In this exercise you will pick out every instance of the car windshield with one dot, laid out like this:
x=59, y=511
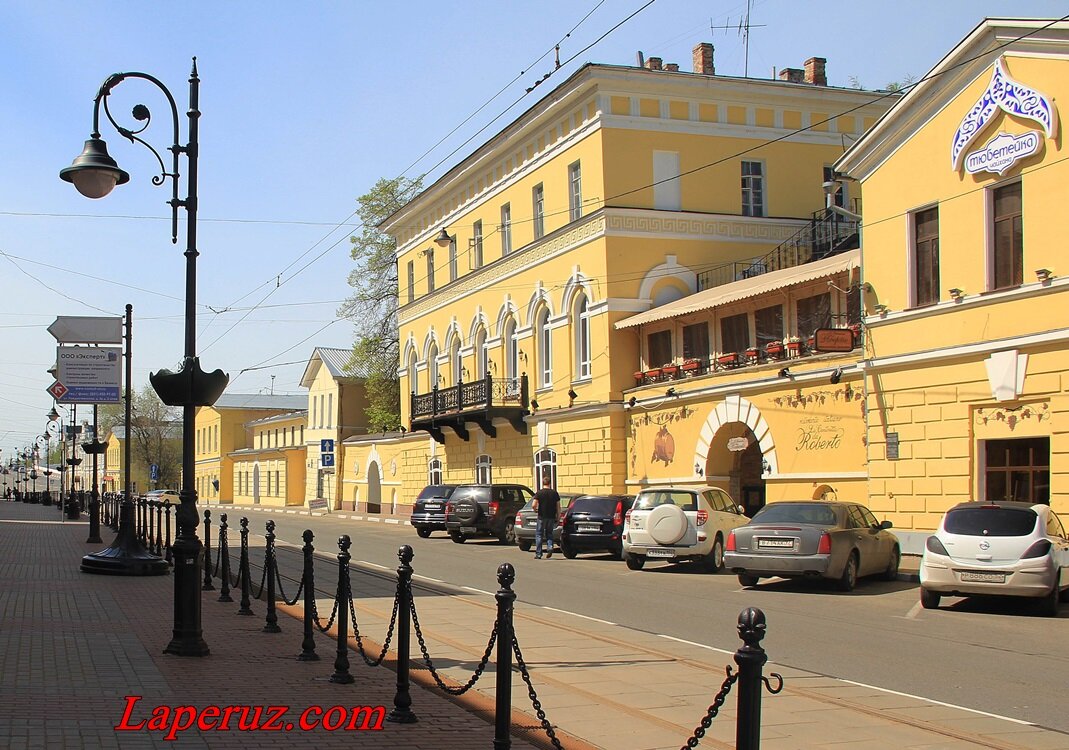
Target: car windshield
x=991, y=520
x=601, y=506
x=814, y=513
x=436, y=490
x=649, y=500
x=565, y=501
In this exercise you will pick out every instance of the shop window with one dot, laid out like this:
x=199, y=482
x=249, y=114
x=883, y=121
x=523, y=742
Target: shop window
x=1008, y=237
x=768, y=324
x=926, y=257
x=813, y=313
x=734, y=333
x=1017, y=469
x=696, y=341
x=484, y=469
x=434, y=471
x=659, y=348
x=545, y=466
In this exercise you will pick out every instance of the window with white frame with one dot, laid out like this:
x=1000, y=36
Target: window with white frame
x=430, y=268
x=753, y=188
x=512, y=350
x=545, y=348
x=581, y=327
x=545, y=465
x=477, y=244
x=481, y=353
x=506, y=229
x=575, y=192
x=456, y=362
x=484, y=469
x=330, y=410
x=434, y=471
x=538, y=199
x=453, y=271
x=413, y=376
x=411, y=280
x=432, y=366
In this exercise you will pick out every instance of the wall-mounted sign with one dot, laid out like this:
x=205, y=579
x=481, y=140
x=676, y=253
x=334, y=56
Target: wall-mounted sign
x=91, y=375
x=737, y=444
x=1014, y=98
x=1002, y=152
x=833, y=340
x=892, y=446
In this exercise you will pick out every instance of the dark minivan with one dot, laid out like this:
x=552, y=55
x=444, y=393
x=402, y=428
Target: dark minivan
x=428, y=512
x=594, y=522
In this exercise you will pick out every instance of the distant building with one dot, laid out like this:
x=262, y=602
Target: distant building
x=270, y=469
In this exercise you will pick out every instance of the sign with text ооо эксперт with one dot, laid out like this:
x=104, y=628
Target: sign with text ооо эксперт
x=91, y=375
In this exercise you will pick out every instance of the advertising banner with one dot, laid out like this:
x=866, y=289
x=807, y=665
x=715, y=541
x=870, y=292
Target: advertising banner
x=90, y=375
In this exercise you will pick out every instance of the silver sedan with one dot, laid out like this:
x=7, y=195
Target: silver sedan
x=841, y=541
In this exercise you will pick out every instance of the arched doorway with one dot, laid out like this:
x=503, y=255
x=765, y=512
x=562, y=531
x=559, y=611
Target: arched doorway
x=374, y=488
x=735, y=462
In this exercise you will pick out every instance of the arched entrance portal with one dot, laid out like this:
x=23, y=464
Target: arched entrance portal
x=374, y=488
x=735, y=462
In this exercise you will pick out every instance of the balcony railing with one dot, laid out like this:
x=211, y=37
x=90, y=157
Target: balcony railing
x=826, y=234
x=486, y=393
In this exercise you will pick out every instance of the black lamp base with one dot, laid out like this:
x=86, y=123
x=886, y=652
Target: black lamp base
x=126, y=556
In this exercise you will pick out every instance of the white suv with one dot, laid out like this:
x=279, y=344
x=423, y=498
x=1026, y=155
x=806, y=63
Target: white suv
x=680, y=523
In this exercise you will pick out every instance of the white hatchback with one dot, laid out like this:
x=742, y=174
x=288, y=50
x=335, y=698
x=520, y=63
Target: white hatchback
x=680, y=523
x=997, y=549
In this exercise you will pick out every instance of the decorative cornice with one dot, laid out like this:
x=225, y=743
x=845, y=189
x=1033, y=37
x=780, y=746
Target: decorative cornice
x=704, y=227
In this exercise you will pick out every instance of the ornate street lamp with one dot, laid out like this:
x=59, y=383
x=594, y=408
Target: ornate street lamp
x=94, y=173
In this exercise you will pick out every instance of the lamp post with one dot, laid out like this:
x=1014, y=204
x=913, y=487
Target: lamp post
x=94, y=173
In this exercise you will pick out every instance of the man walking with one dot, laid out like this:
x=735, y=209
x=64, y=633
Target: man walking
x=547, y=505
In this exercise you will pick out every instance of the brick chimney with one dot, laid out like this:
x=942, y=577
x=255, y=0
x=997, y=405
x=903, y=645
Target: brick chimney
x=671, y=67
x=792, y=75
x=703, y=59
x=653, y=63
x=814, y=71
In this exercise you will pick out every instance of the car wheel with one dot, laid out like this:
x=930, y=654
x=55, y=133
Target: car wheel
x=848, y=579
x=524, y=545
x=567, y=550
x=634, y=562
x=1048, y=605
x=929, y=599
x=423, y=532
x=508, y=534
x=714, y=561
x=891, y=574
x=457, y=537
x=747, y=580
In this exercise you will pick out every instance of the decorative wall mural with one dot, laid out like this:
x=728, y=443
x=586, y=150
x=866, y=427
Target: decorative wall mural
x=664, y=442
x=817, y=398
x=664, y=446
x=1013, y=417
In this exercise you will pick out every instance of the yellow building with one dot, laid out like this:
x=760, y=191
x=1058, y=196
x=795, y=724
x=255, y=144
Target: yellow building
x=624, y=190
x=966, y=302
x=112, y=468
x=337, y=409
x=220, y=431
x=270, y=471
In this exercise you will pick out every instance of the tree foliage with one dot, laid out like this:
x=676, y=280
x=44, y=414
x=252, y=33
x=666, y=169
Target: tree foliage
x=372, y=307
x=157, y=436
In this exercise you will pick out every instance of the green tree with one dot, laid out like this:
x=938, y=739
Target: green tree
x=157, y=436
x=373, y=305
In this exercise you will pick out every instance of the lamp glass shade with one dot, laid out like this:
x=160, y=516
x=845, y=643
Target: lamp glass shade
x=93, y=172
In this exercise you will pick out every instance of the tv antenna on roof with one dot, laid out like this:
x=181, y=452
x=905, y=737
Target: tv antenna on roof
x=743, y=27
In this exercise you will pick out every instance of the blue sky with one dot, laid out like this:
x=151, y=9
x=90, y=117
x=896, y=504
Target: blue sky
x=304, y=106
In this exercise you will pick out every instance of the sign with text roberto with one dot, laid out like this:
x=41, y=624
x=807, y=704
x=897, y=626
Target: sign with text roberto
x=91, y=375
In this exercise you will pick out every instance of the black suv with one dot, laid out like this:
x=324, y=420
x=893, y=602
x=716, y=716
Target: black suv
x=594, y=522
x=485, y=509
x=428, y=512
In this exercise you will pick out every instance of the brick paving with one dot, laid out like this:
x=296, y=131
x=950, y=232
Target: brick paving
x=74, y=645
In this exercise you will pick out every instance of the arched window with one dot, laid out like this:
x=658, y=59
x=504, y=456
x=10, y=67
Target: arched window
x=413, y=375
x=545, y=465
x=545, y=348
x=481, y=354
x=432, y=366
x=456, y=362
x=484, y=469
x=512, y=352
x=434, y=471
x=581, y=329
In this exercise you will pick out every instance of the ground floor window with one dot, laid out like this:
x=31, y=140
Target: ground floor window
x=1017, y=469
x=545, y=466
x=434, y=471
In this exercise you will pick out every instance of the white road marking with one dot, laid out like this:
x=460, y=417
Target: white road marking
x=393, y=520
x=428, y=578
x=912, y=614
x=576, y=614
x=478, y=591
x=371, y=564
x=939, y=703
x=699, y=645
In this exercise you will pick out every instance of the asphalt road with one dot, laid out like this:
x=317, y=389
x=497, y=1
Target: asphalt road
x=985, y=655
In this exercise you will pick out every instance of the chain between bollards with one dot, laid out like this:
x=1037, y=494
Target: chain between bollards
x=402, y=701
x=341, y=661
x=271, y=570
x=308, y=645
x=243, y=570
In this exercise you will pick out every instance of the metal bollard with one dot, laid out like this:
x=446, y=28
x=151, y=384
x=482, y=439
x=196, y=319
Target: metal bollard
x=224, y=561
x=243, y=569
x=94, y=518
x=402, y=700
x=270, y=571
x=341, y=662
x=208, y=585
x=751, y=659
x=308, y=645
x=506, y=598
x=150, y=523
x=167, y=516
x=159, y=528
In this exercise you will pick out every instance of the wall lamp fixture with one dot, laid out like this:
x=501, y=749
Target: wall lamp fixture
x=785, y=372
x=881, y=310
x=670, y=393
x=443, y=239
x=1044, y=275
x=572, y=395
x=957, y=294
x=534, y=404
x=631, y=402
x=836, y=376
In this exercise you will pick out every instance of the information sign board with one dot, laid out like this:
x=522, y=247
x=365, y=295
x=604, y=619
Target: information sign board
x=91, y=375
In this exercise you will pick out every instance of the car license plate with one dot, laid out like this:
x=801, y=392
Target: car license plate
x=659, y=552
x=775, y=543
x=983, y=577
x=468, y=530
x=590, y=527
x=432, y=506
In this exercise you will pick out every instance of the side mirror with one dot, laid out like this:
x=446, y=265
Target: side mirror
x=886, y=524
x=741, y=509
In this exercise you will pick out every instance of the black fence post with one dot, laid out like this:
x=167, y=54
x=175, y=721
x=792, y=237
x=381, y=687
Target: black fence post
x=341, y=662
x=150, y=523
x=402, y=700
x=308, y=645
x=167, y=517
x=506, y=597
x=243, y=569
x=224, y=560
x=159, y=527
x=751, y=659
x=271, y=570
x=208, y=585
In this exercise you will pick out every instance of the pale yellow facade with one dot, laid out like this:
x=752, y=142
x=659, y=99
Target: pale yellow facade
x=112, y=466
x=271, y=470
x=616, y=194
x=966, y=307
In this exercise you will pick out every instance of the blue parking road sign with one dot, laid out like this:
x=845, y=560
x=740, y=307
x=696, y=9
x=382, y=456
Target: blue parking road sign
x=154, y=472
x=327, y=459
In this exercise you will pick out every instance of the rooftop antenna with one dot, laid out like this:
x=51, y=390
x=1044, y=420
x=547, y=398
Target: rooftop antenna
x=272, y=385
x=743, y=28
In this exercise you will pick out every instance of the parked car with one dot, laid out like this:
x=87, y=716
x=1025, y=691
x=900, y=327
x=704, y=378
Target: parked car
x=680, y=523
x=163, y=496
x=842, y=541
x=998, y=548
x=485, y=509
x=527, y=522
x=594, y=522
x=428, y=512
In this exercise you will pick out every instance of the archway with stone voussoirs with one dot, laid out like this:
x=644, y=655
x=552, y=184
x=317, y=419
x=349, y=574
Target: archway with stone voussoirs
x=737, y=423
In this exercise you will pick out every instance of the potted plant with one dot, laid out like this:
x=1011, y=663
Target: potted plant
x=794, y=346
x=774, y=349
x=653, y=374
x=752, y=354
x=856, y=328
x=690, y=366
x=670, y=370
x=730, y=359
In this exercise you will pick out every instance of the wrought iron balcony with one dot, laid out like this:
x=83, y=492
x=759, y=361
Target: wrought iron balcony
x=479, y=401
